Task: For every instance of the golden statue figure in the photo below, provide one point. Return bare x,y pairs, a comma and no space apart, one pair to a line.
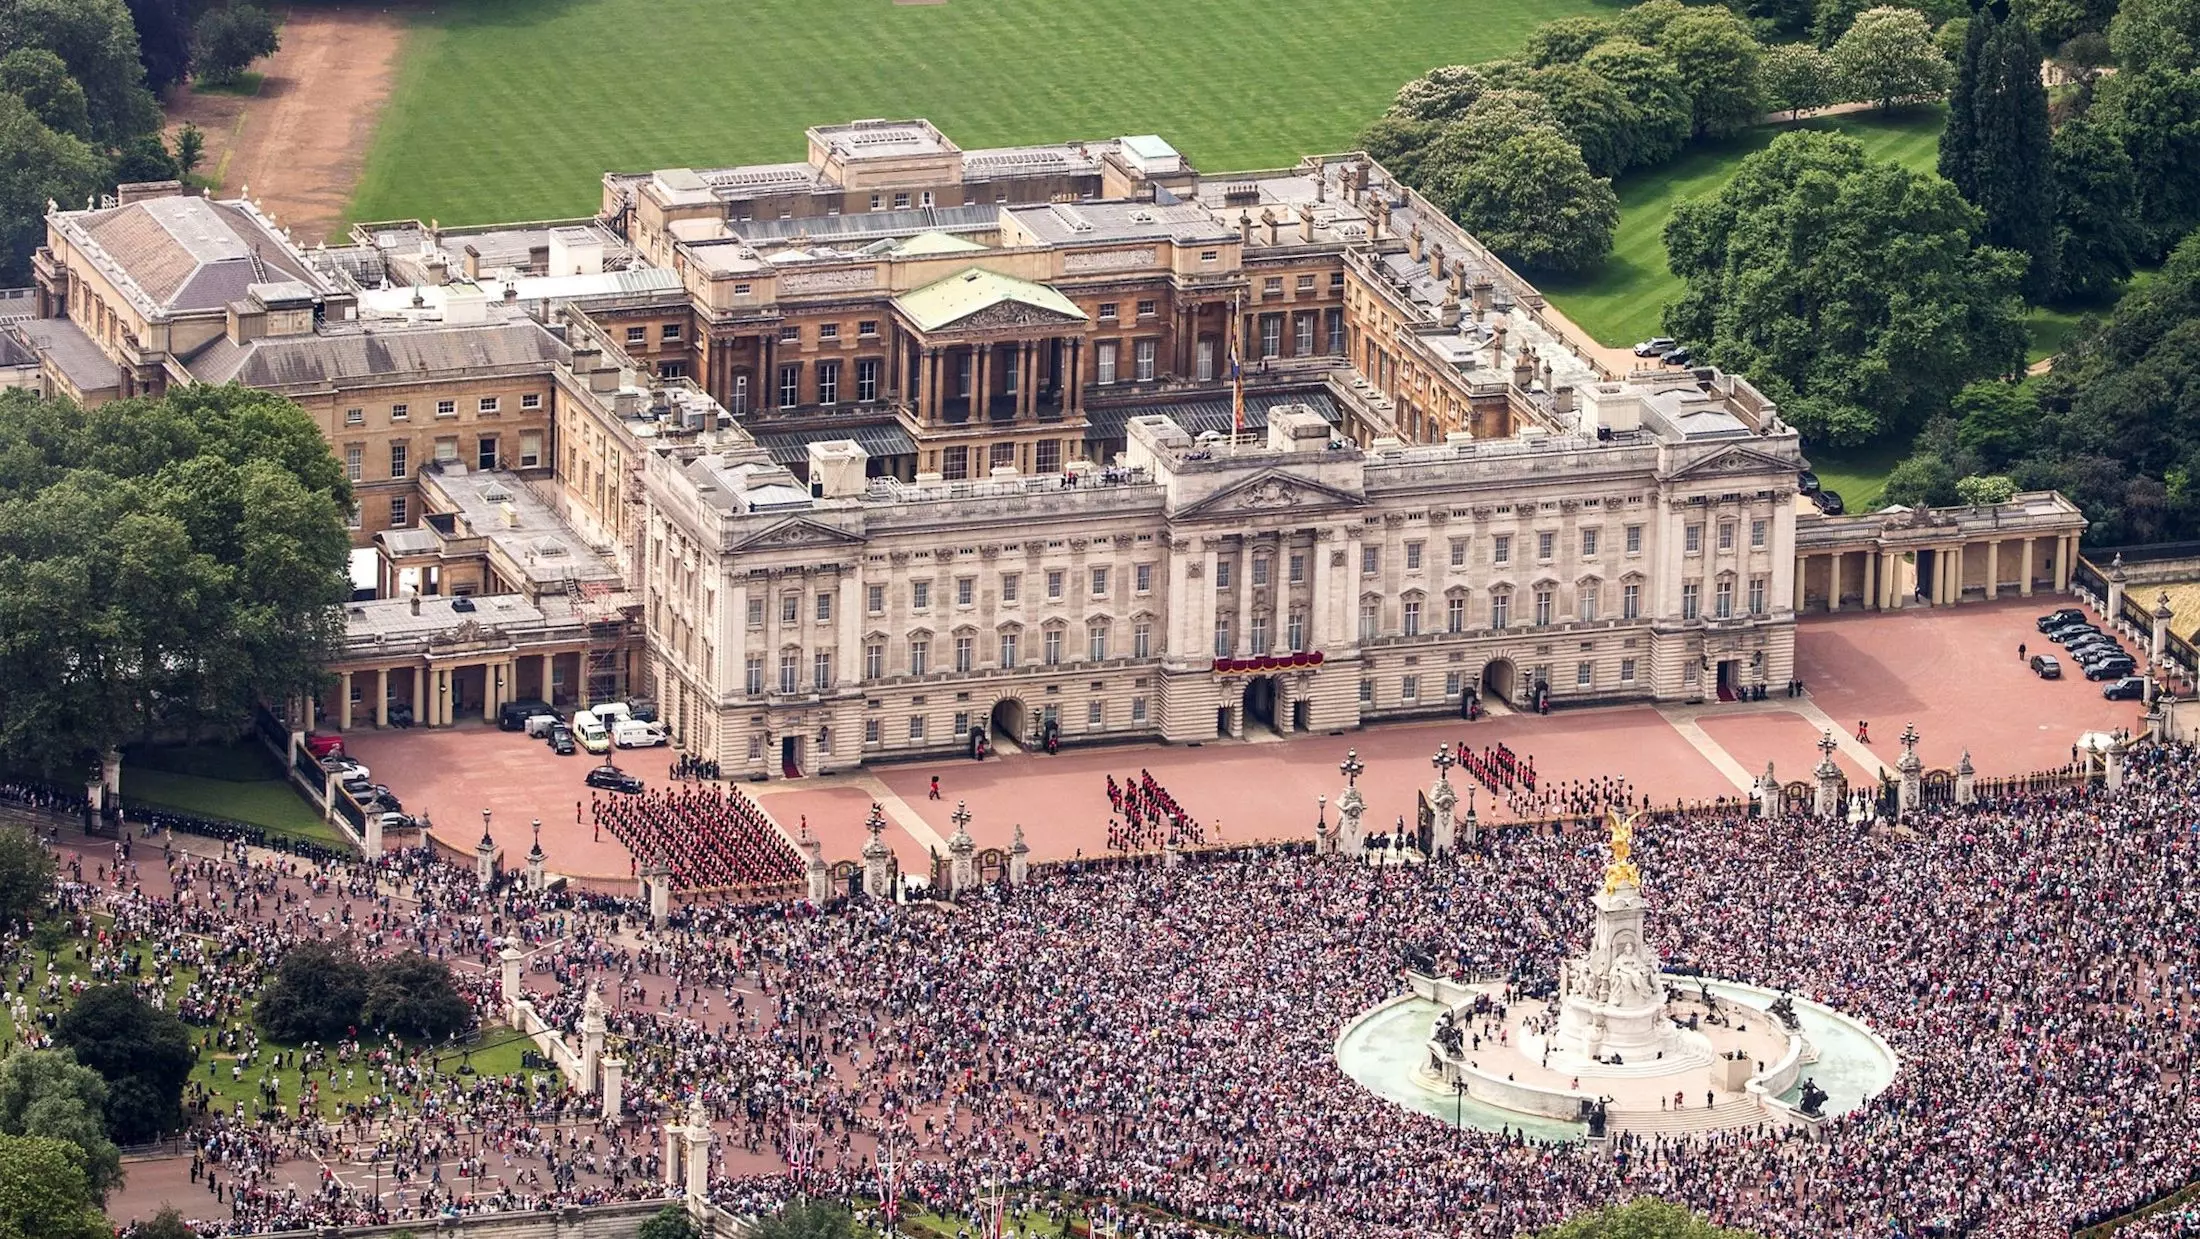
1621,872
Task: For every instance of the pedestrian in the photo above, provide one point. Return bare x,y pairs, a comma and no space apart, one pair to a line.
935,787
2020,651
1863,732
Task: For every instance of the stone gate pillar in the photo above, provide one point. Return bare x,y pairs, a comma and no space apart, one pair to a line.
592,1033
962,853
1966,780
509,958
1019,859
1827,802
697,1137
1912,771
813,866
1771,801
614,1088
875,857
1442,838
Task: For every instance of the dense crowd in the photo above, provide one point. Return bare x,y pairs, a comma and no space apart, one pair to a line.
1165,1035
711,836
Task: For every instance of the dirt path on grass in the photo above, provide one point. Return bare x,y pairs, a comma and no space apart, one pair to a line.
299,143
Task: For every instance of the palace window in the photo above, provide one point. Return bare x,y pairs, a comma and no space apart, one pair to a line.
1543,608
920,594
790,668
1413,617
874,661
1634,539
1501,609
1724,600
1691,600
1142,640
1008,649
828,382
1050,647
1588,598
1455,614
1501,549
398,461
1143,355
966,653
1295,632
752,669
867,380
790,386
1588,544
1756,595
920,656
1630,601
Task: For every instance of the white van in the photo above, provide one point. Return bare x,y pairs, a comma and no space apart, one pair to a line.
635,734
589,730
612,713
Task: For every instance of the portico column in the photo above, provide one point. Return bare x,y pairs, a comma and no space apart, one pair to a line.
2024,582
1955,579
1242,639
1027,386
343,701
1890,581
1993,569
1073,398
382,697
490,672
981,399
2062,563
1833,583
1802,575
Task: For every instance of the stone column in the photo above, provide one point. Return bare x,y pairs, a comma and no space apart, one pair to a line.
2158,635
614,1088
1770,800
1242,640
1352,837
1966,780
1833,582
485,860
1827,801
343,701
2024,563
981,371
2112,609
1955,578
374,836
1073,395
1912,789
962,853
489,690
2113,764
508,961
592,1033
875,855
382,697
1442,838
813,866
1890,583
697,1136
920,397
1993,569
1802,575
2063,546
1019,859
660,895
672,1155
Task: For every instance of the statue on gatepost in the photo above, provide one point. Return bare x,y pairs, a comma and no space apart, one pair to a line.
1827,803
1771,802
1019,859
1912,790
876,878
962,853
1350,806
538,875
485,856
698,1157
593,1027
813,867
1325,839
1966,780
2112,607
1443,799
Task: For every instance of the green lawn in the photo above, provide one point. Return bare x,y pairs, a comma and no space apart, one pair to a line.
1622,299
513,109
269,802
1858,474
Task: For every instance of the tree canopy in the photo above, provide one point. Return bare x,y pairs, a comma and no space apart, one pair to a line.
163,563
1996,149
49,1093
1641,1218
1887,55
1853,290
316,994
228,39
43,1192
806,1219
26,875
415,997
144,1055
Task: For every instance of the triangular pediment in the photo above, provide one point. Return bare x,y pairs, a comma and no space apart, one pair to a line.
797,532
1009,315
1735,460
1272,490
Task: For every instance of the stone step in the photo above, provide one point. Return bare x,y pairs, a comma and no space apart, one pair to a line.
1738,1112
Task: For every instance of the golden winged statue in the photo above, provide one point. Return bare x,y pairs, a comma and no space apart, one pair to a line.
1621,872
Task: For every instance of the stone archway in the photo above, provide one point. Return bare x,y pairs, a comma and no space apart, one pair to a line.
1262,693
1501,679
1010,719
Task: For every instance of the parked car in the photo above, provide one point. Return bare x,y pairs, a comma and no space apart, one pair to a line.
613,779
539,725
1655,346
2096,645
2130,688
1807,482
324,746
513,715
612,713
1829,502
642,708
635,734
346,768
2114,669
1677,357
590,731
401,715
560,740
2056,619
2071,632
2045,667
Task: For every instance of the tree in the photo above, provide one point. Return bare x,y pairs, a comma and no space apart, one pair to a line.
1592,111
1996,147
144,1055
414,996
96,39
2150,36
26,875
166,1223
1527,194
316,995
190,148
2098,239
183,557
1993,421
1797,78
49,1093
670,1222
164,40
1663,112
1565,41
1984,491
42,82
2155,117
1440,94
43,1193
1888,54
805,1219
1716,59
228,39
1401,144
1852,290
144,158
37,166
1644,1217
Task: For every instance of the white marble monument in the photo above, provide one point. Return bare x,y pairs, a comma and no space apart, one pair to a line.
1610,999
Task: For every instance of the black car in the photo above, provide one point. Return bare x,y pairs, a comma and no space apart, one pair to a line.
2115,669
560,740
2089,647
1807,482
613,779
2071,632
1677,357
1829,502
2056,619
2130,688
513,715
2045,667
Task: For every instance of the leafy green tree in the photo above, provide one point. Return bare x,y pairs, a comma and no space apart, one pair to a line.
144,1055
190,148
2098,237
2155,117
49,1093
1565,41
415,997
1440,94
1526,193
2150,36
1994,421
163,563
42,82
1592,111
43,1192
1996,146
670,1222
806,1219
1644,1217
144,158
96,39
1830,19
26,875
1716,58
166,1223
1646,22
37,166
1853,290
1797,78
164,40
228,39
1984,490
1401,145
1664,114
1888,55
316,995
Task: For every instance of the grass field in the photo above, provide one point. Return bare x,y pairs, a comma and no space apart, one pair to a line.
269,802
1621,300
512,109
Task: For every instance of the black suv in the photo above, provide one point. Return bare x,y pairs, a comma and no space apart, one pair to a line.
613,779
2057,619
560,739
513,715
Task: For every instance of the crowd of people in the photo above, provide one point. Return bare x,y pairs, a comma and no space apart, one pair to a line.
1144,817
1164,1036
712,836
1498,768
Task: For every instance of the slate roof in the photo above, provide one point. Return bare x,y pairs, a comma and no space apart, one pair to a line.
279,362
66,348
187,254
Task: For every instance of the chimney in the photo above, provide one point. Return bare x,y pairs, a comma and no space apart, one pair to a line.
1376,218
1306,223
1413,241
1447,314
1436,260
1245,227
584,359
511,292
1321,183
1544,371
1485,295
1497,337
1524,369
1268,225
1458,279
471,262
1562,398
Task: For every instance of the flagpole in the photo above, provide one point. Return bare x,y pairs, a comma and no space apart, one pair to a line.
1237,372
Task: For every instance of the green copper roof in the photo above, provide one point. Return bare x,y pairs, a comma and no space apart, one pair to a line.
961,295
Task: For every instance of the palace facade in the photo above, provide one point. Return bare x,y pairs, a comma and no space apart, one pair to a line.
863,456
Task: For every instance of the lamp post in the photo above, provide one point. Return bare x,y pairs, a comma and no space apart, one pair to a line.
1443,761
